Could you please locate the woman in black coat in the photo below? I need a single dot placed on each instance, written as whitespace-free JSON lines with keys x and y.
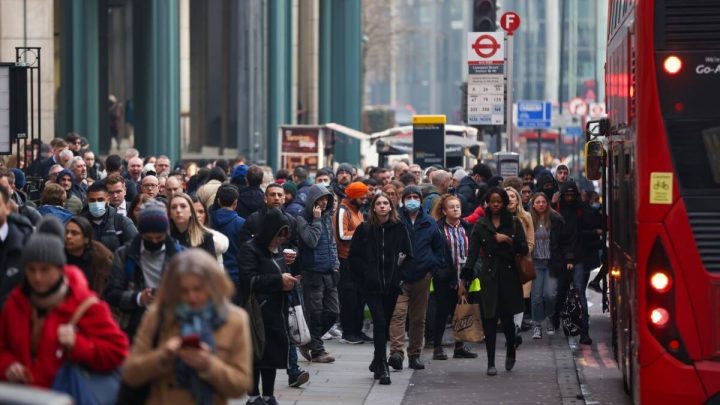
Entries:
{"x":380,"y":252}
{"x":263,"y":272}
{"x":497,"y":238}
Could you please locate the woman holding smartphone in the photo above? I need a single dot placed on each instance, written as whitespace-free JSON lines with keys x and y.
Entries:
{"x":193,"y":346}
{"x":263,"y":273}
{"x":380,"y":252}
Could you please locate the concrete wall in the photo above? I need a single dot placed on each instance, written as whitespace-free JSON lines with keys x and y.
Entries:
{"x":31,"y":23}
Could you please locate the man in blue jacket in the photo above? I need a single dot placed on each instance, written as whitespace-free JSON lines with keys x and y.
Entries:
{"x":428,"y":247}
{"x":320,"y":265}
{"x":227,"y":221}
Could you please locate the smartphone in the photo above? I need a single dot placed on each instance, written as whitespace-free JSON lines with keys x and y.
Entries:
{"x":191,"y":341}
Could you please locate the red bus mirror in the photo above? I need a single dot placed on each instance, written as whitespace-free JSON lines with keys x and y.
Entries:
{"x":594,"y":159}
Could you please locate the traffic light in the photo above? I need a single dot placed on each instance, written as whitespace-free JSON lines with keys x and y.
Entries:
{"x":484,"y":15}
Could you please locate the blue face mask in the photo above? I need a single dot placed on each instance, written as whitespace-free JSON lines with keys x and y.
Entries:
{"x":595,"y":205}
{"x":97,"y":209}
{"x":412,"y":205}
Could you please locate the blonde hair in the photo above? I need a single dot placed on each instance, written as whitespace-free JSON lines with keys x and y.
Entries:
{"x":195,"y":230}
{"x":199,"y":263}
{"x":519,"y":209}
{"x":437,"y":211}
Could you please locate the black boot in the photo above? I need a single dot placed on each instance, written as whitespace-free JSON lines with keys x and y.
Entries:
{"x":510,"y":358}
{"x":416,"y":363}
{"x":382,"y":373}
{"x":372,"y":366}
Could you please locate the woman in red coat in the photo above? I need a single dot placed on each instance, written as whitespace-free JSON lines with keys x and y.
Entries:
{"x":35,"y":338}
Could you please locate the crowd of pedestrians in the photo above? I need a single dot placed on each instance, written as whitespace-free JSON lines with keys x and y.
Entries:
{"x":174,"y":252}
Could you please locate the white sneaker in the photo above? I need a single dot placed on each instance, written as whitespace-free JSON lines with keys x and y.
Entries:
{"x":537,"y":332}
{"x":335,"y":331}
{"x":550,"y":330}
{"x":327,"y":336}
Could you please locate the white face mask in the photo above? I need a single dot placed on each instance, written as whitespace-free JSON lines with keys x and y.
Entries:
{"x":324,"y":183}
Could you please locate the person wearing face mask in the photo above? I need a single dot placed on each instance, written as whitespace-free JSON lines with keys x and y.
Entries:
{"x":109,"y":228}
{"x":323,"y":178}
{"x":138,"y":267}
{"x":428,"y":247}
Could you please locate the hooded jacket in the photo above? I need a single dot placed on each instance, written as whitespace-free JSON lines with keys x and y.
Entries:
{"x":99,"y":344}
{"x":318,"y":250}
{"x":545,"y":177}
{"x":60,"y":213}
{"x":251,"y":199}
{"x":19,"y":230}
{"x":75,"y":189}
{"x":262,"y":271}
{"x":296,"y":207}
{"x":428,"y":246}
{"x":230,"y":224}
{"x":573,"y":215}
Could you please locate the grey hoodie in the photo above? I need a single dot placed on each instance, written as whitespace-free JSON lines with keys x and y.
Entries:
{"x":318,"y":251}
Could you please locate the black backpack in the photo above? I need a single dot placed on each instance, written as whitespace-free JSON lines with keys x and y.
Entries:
{"x":572,"y":313}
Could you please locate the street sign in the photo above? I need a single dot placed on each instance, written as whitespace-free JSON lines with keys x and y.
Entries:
{"x":578,"y":106}
{"x":486,"y":48}
{"x":574,"y":131}
{"x":597,"y":110}
{"x":510,"y":22}
{"x":429,"y":140}
{"x":486,"y":78}
{"x":534,"y":114}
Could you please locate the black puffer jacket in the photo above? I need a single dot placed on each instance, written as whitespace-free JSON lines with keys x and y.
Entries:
{"x":19,"y":230}
{"x":374,"y":258}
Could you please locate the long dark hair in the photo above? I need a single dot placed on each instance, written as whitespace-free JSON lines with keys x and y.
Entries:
{"x":85,"y":228}
{"x":374,"y":221}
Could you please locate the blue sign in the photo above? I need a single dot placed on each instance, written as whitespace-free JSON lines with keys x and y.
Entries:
{"x":534,"y":114}
{"x":574,"y":131}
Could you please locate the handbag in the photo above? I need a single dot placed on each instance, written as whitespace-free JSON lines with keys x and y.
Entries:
{"x":87,"y":387}
{"x":257,"y":325}
{"x":298,"y":331}
{"x":467,"y":326}
{"x":524,"y":264}
{"x":525,"y":267}
{"x":139,"y":395}
{"x":571,"y":315}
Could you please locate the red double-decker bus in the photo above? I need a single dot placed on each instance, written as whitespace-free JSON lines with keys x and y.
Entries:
{"x":662,"y":140}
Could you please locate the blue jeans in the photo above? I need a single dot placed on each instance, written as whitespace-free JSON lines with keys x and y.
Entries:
{"x":543,"y":293}
{"x":293,"y":367}
{"x":580,"y":282}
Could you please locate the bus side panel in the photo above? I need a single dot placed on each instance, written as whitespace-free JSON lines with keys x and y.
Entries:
{"x":663,"y":382}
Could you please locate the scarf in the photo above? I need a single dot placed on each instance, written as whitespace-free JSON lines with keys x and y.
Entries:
{"x":202,"y":322}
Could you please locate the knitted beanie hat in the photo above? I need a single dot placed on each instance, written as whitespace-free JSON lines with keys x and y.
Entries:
{"x":43,"y":248}
{"x":153,"y":217}
{"x":411,"y":190}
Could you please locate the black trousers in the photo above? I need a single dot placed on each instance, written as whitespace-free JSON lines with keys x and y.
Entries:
{"x":268,"y":381}
{"x":446,"y":299}
{"x":381,"y":310}
{"x":490,"y":326}
{"x":351,"y":302}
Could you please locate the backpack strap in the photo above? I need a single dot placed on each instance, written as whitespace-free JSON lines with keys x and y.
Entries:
{"x":82,"y":308}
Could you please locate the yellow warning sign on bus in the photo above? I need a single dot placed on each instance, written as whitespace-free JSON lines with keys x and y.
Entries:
{"x":661,"y":187}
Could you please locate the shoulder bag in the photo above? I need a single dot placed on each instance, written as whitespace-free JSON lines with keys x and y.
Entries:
{"x":524,"y":264}
{"x":87,"y":387}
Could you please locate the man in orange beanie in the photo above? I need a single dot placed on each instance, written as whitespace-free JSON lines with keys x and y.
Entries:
{"x":347,"y":219}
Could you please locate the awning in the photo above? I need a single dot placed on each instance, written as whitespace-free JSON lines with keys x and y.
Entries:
{"x":352,"y":133}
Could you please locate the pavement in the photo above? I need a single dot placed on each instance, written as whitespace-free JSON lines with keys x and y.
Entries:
{"x":544,"y":374}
